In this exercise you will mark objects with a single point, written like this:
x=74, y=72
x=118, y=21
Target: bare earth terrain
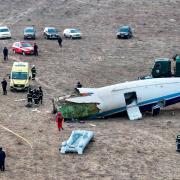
x=122, y=150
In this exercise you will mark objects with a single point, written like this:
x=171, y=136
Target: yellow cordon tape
x=17, y=135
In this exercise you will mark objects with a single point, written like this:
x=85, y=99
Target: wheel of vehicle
x=23, y=53
x=11, y=88
x=45, y=36
x=65, y=36
x=14, y=51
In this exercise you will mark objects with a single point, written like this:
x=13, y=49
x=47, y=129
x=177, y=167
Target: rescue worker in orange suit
x=59, y=121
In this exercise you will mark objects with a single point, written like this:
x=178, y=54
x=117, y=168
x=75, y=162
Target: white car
x=72, y=33
x=4, y=32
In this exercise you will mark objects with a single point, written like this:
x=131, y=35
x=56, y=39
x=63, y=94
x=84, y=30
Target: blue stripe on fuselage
x=144, y=106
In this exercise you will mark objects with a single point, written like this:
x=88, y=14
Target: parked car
x=50, y=33
x=72, y=33
x=4, y=32
x=29, y=33
x=24, y=48
x=124, y=32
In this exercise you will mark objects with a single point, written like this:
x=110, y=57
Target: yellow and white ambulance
x=20, y=76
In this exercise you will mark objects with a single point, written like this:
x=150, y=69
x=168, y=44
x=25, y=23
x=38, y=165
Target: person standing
x=33, y=72
x=60, y=41
x=35, y=49
x=2, y=159
x=29, y=96
x=5, y=53
x=35, y=96
x=4, y=86
x=40, y=94
x=78, y=85
x=59, y=121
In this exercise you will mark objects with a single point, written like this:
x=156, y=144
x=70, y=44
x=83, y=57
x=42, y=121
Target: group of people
x=6, y=52
x=4, y=82
x=35, y=96
x=36, y=49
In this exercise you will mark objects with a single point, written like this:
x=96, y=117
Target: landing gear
x=156, y=110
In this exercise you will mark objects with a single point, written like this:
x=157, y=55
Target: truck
x=163, y=68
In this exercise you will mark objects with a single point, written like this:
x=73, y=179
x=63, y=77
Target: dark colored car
x=51, y=33
x=29, y=33
x=124, y=32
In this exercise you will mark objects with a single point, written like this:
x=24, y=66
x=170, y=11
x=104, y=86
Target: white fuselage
x=146, y=93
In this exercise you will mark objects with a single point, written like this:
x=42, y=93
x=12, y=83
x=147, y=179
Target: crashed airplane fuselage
x=134, y=97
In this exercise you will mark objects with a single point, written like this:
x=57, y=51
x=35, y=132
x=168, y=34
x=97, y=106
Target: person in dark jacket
x=35, y=49
x=78, y=85
x=40, y=94
x=29, y=96
x=5, y=53
x=2, y=159
x=33, y=72
x=4, y=86
x=60, y=41
x=35, y=96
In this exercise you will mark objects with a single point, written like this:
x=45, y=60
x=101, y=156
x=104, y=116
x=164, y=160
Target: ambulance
x=20, y=76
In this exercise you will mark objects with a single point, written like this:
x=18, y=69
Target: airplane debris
x=93, y=125
x=172, y=20
x=134, y=97
x=17, y=100
x=77, y=141
x=35, y=110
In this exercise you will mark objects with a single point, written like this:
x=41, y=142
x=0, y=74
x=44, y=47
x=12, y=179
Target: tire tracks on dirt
x=14, y=19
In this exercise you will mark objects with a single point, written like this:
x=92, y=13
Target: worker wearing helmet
x=33, y=71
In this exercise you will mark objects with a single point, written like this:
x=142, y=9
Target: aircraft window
x=157, y=66
x=162, y=102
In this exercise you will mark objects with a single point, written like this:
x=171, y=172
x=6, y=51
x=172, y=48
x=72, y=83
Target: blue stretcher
x=77, y=141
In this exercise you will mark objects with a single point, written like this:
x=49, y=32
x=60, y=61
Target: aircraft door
x=132, y=108
x=130, y=98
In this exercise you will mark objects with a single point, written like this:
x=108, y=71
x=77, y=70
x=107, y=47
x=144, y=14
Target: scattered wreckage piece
x=77, y=142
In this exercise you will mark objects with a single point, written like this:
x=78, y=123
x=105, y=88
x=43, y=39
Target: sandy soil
x=122, y=150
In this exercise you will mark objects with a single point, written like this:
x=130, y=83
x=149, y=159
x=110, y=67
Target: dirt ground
x=122, y=150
